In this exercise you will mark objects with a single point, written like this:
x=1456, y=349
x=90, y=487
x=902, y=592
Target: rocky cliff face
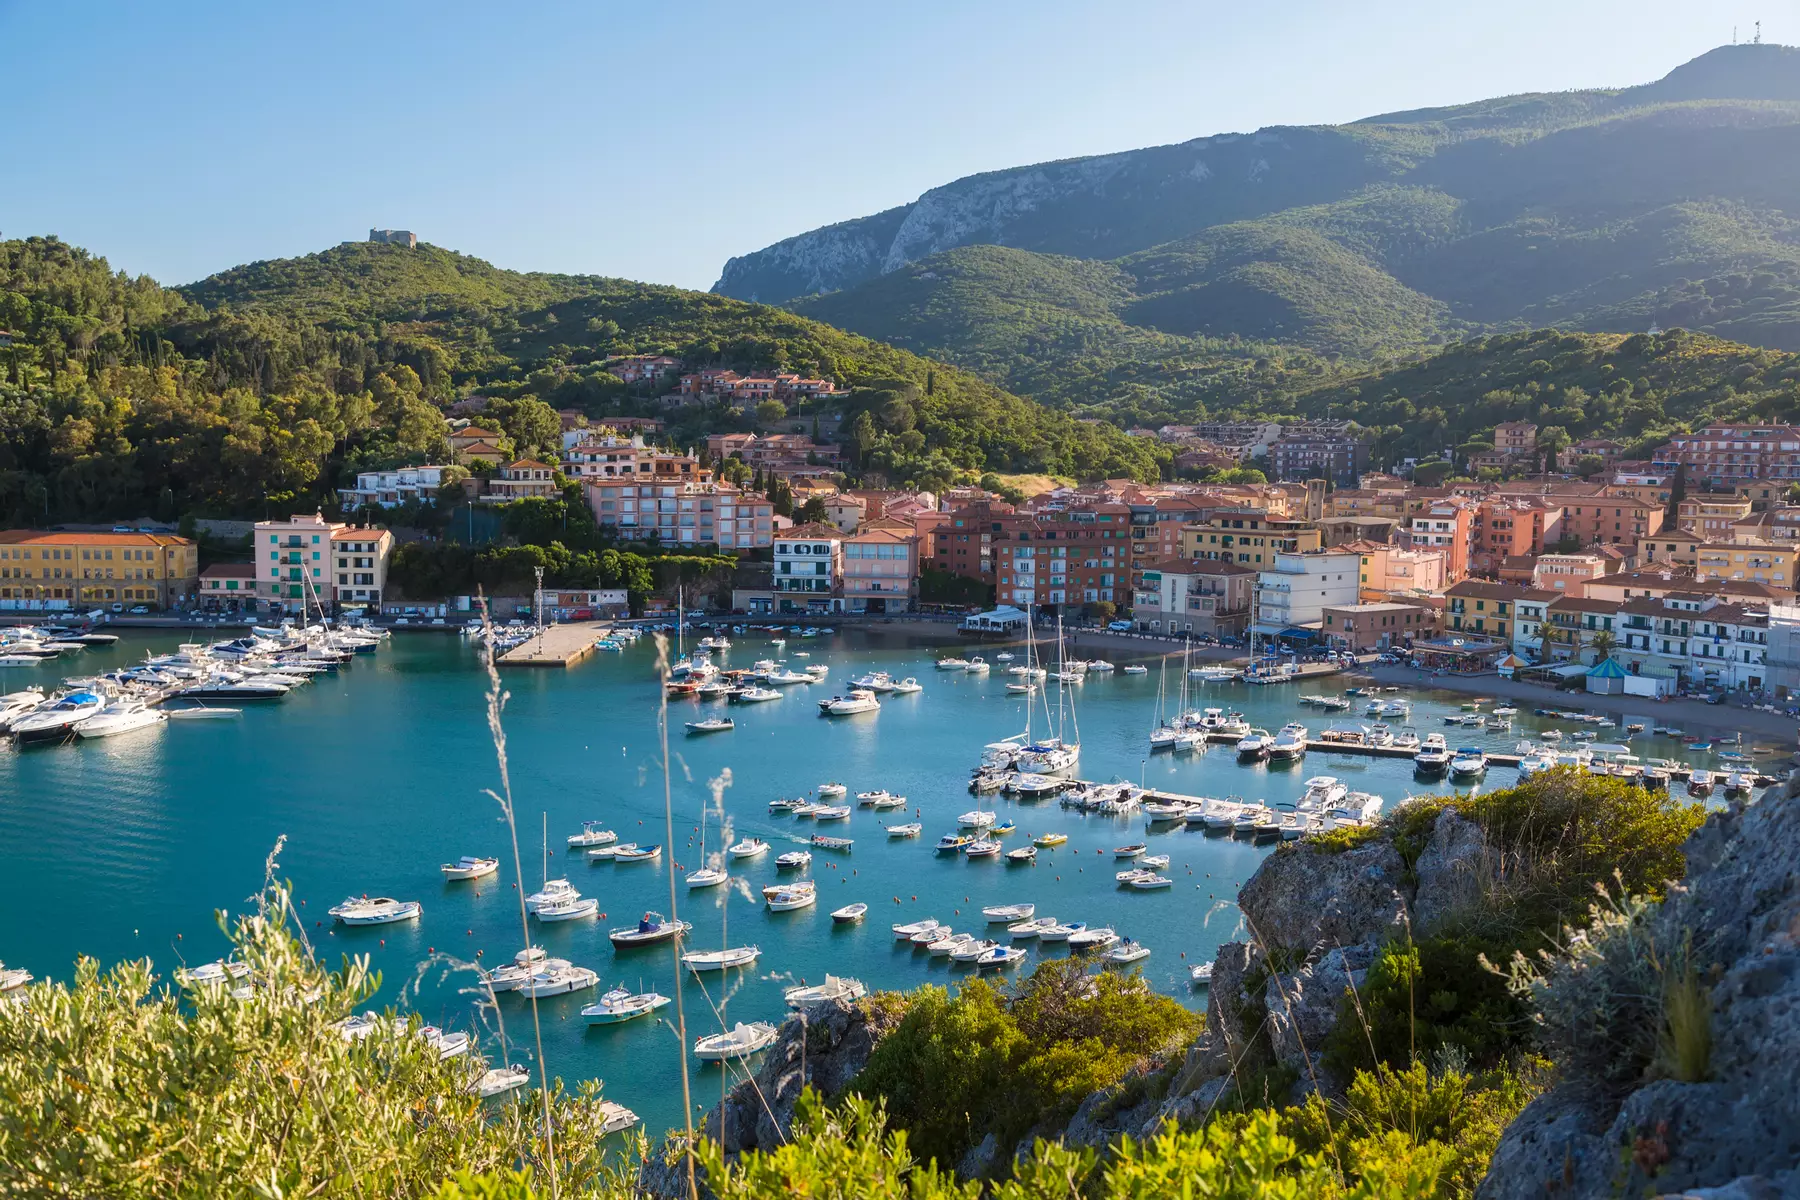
x=1098, y=207
x=1736, y=1135
x=823, y=1048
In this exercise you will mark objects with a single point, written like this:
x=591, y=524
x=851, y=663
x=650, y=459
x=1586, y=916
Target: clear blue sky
x=653, y=140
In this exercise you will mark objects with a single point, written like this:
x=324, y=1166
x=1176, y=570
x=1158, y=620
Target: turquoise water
x=125, y=847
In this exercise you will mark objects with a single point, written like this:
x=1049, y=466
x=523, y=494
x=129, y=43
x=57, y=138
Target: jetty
x=561, y=645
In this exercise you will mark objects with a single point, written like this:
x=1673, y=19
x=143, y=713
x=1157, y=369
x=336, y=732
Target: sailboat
x=1162, y=735
x=1057, y=755
x=708, y=875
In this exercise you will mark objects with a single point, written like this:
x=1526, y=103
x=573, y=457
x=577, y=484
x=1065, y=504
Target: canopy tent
x=1607, y=677
x=1509, y=664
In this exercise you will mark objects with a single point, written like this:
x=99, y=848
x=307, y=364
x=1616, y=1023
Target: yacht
x=1254, y=746
x=953, y=664
x=121, y=716
x=378, y=911
x=553, y=889
x=1433, y=757
x=741, y=1042
x=1061, y=933
x=859, y=701
x=1290, y=744
x=793, y=860
x=1322, y=792
x=1407, y=738
x=621, y=1004
x=652, y=927
x=1469, y=762
x=55, y=720
x=470, y=866
x=497, y=1081
x=15, y=705
x=833, y=988
x=875, y=681
x=212, y=974
x=1214, y=674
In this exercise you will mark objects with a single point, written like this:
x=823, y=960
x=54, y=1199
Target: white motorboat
x=910, y=829
x=793, y=860
x=1468, y=763
x=834, y=791
x=953, y=664
x=875, y=681
x=1148, y=881
x=381, y=910
x=591, y=835
x=976, y=819
x=859, y=701
x=559, y=981
x=1137, y=669
x=1201, y=973
x=833, y=988
x=622, y=1004
x=749, y=848
x=941, y=943
x=569, y=908
x=651, y=928
x=1008, y=914
x=55, y=720
x=998, y=957
x=908, y=686
x=1700, y=783
x=1154, y=861
x=447, y=1045
x=1061, y=933
x=1092, y=939
x=1322, y=792
x=14, y=705
x=707, y=877
x=1255, y=745
x=497, y=1081
x=788, y=899
x=982, y=848
x=1290, y=744
x=741, y=1042
x=720, y=960
x=1127, y=951
x=201, y=712
x=121, y=716
x=850, y=914
x=1433, y=756
x=1031, y=928
x=1130, y=851
x=906, y=932
x=754, y=695
x=971, y=950
x=553, y=890
x=832, y=812
x=525, y=964
x=616, y=1118
x=609, y=853
x=636, y=854
x=711, y=725
x=212, y=974
x=1024, y=854
x=470, y=866
x=13, y=978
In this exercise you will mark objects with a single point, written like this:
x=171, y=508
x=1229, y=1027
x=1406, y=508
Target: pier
x=557, y=645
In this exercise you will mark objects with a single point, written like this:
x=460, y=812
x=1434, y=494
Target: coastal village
x=1681, y=567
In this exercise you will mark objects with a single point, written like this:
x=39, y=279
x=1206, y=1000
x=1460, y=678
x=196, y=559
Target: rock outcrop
x=823, y=1048
x=1737, y=1133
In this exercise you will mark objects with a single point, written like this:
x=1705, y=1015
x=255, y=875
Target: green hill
x=265, y=385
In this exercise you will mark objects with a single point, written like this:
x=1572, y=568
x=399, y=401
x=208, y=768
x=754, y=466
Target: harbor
x=376, y=775
x=560, y=645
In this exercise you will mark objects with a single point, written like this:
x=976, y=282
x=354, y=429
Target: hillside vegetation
x=1154, y=279
x=265, y=386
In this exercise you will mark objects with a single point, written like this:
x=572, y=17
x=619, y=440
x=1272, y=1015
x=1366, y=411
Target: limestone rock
x=1303, y=1007
x=1453, y=871
x=1302, y=898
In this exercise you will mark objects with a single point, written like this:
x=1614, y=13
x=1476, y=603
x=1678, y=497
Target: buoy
x=384, y=941
x=431, y=949
x=479, y=953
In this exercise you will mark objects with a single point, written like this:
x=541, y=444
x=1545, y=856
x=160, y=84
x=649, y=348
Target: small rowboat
x=850, y=914
x=652, y=928
x=832, y=843
x=1024, y=854
x=637, y=854
x=499, y=1081
x=1008, y=914
x=911, y=829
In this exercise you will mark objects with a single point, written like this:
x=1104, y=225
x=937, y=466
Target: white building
x=1295, y=593
x=809, y=569
x=386, y=489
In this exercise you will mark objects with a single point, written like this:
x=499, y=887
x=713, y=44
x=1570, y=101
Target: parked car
x=1120, y=626
x=138, y=610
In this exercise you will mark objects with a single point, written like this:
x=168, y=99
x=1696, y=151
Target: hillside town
x=1680, y=566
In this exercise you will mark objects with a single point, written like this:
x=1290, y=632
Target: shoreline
x=1692, y=716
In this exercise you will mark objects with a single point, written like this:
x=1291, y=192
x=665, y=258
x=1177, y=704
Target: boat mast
x=546, y=847
x=1062, y=686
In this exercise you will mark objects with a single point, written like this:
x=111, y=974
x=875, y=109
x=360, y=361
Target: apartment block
x=1383, y=625
x=880, y=570
x=683, y=513
x=809, y=569
x=46, y=569
x=1449, y=527
x=1306, y=453
x=1251, y=537
x=1295, y=592
x=1204, y=597
x=306, y=563
x=388, y=489
x=1724, y=456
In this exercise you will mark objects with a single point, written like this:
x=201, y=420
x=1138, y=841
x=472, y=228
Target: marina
x=375, y=772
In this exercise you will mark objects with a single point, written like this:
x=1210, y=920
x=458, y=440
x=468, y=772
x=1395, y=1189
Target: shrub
x=988, y=1061
x=116, y=1086
x=1422, y=1000
x=1615, y=1004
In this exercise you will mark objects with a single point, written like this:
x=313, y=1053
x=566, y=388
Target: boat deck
x=558, y=646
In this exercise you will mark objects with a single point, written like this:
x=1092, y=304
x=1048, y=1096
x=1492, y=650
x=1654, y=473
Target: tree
x=734, y=470
x=1677, y=493
x=534, y=427
x=770, y=411
x=1603, y=643
x=1432, y=472
x=1551, y=441
x=812, y=510
x=1589, y=464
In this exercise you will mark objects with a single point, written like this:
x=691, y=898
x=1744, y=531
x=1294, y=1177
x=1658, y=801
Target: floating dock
x=557, y=646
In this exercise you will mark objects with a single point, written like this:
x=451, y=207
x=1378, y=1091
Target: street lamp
x=537, y=602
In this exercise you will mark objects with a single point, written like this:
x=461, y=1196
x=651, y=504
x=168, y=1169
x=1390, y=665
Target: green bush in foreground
x=988, y=1061
x=115, y=1086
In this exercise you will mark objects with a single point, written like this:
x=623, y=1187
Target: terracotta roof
x=1585, y=604
x=1482, y=589
x=230, y=571
x=528, y=464
x=27, y=537
x=812, y=529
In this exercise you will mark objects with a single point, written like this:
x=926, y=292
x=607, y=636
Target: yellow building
x=1248, y=536
x=1759, y=562
x=47, y=569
